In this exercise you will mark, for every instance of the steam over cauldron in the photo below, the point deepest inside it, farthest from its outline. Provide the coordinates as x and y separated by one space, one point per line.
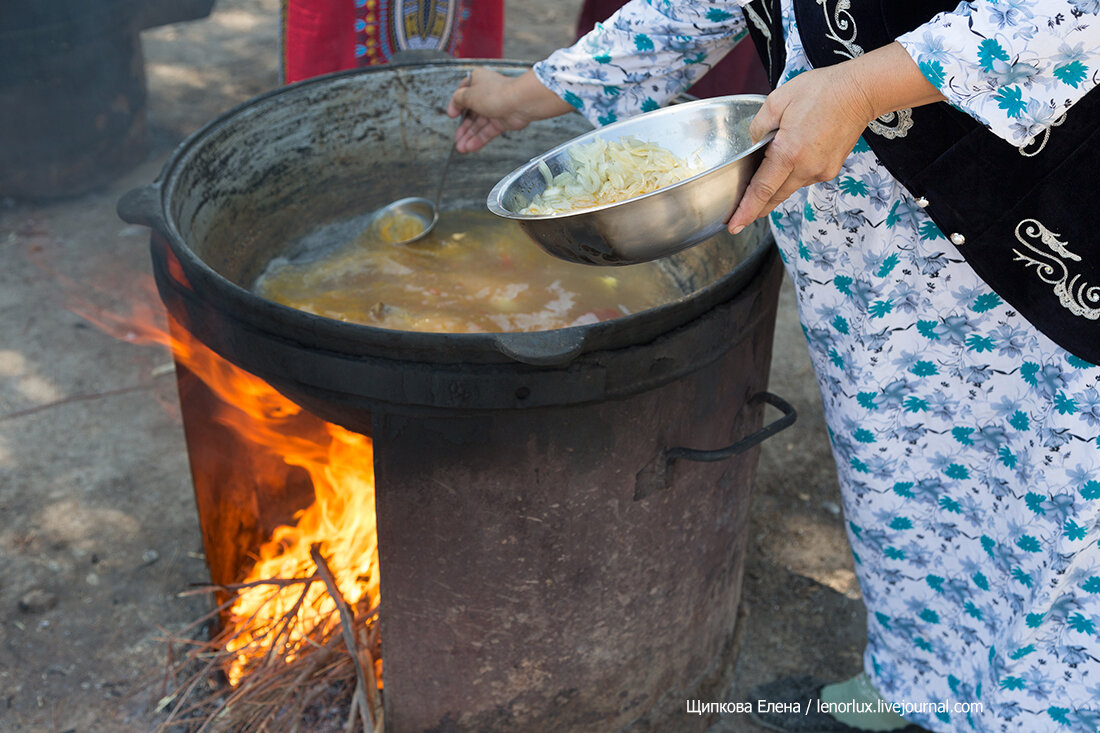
555 555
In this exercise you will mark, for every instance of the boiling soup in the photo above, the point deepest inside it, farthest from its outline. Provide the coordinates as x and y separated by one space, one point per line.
475 272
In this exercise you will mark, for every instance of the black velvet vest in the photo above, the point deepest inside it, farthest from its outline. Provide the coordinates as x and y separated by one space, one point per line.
1024 218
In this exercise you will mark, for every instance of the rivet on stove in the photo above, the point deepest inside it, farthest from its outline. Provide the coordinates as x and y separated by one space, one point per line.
922 202
957 239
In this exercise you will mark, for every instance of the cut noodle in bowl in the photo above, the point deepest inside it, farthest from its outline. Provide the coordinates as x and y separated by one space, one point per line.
609 172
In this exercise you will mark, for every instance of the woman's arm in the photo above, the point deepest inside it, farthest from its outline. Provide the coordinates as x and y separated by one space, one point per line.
638 59
1016 67
819 115
643 56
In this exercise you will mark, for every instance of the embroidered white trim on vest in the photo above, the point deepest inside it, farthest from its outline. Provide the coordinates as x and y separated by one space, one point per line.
1078 297
765 30
1026 150
892 124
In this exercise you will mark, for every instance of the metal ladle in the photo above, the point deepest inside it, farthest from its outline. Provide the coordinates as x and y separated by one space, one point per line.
417 207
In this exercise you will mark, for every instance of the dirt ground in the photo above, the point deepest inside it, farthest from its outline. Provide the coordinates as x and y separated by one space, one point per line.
99 530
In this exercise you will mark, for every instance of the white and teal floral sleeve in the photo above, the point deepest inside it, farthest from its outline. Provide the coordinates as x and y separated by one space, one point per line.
1016 66
642 56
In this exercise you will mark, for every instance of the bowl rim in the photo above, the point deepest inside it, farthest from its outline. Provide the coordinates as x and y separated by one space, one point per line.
494 201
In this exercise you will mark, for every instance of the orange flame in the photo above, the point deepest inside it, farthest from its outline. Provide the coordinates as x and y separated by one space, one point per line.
341 519
340 464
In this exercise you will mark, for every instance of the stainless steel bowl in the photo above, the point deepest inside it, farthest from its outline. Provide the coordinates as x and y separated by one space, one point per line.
655 224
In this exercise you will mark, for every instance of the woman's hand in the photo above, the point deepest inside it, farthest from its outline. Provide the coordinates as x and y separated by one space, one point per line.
818 116
497 103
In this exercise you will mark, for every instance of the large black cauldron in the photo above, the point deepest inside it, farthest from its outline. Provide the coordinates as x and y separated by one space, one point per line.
552 556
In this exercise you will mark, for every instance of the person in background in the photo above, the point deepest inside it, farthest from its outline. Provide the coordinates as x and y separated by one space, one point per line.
928 187
323 36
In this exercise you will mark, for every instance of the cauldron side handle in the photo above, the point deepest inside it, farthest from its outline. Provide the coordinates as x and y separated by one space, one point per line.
141 205
654 476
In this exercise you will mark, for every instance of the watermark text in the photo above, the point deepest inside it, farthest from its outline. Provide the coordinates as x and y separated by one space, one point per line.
904 709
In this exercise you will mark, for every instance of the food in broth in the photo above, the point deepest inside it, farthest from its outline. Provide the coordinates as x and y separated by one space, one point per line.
475 272
395 226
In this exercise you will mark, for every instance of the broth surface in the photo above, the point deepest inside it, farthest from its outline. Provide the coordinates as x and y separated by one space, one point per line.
475 272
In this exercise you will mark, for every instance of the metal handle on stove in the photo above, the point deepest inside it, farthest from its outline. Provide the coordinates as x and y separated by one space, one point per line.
654 476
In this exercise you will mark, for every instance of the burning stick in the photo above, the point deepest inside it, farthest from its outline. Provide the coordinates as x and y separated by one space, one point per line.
365 687
203 588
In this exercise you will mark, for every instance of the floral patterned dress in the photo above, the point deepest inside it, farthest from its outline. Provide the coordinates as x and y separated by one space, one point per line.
967 443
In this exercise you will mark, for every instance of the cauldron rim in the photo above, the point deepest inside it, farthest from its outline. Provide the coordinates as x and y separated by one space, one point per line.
150 205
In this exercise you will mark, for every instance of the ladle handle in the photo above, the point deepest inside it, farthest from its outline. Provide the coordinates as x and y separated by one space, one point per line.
450 154
446 165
